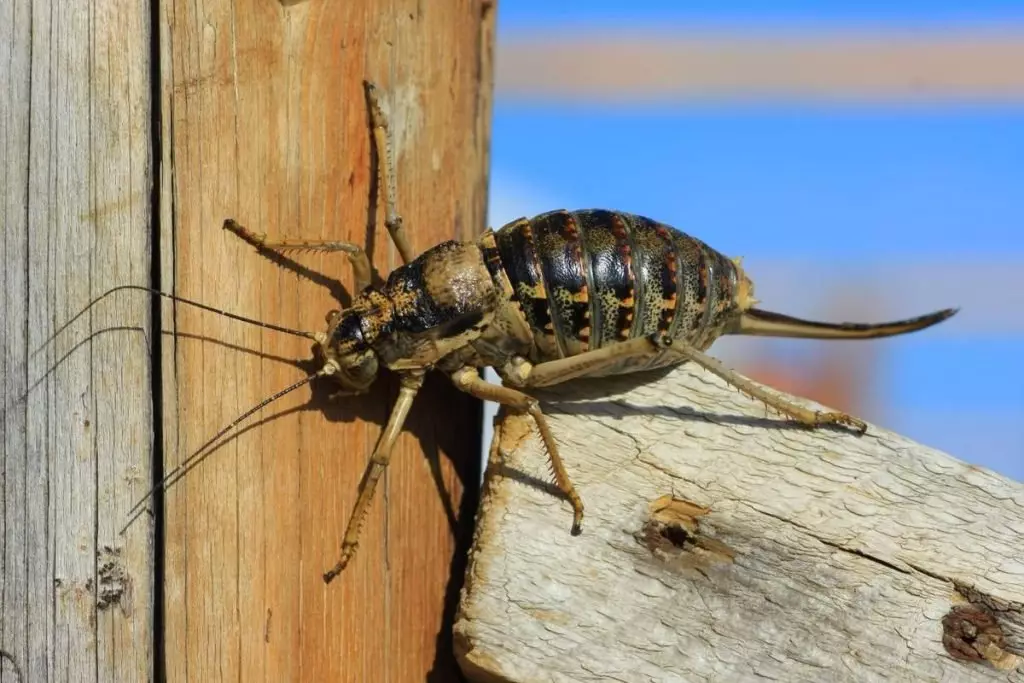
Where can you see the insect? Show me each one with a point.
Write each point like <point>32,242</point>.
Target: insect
<point>542,300</point>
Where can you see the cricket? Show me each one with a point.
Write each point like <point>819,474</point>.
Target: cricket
<point>542,300</point>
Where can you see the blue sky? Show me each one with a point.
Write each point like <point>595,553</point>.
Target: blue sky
<point>762,179</point>
<point>835,185</point>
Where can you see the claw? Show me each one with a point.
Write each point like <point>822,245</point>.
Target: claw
<point>840,418</point>
<point>347,551</point>
<point>577,523</point>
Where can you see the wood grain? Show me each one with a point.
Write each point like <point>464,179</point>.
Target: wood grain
<point>75,427</point>
<point>723,545</point>
<point>266,122</point>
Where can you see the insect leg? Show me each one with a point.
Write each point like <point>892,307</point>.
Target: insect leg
<point>523,373</point>
<point>382,132</point>
<point>468,380</point>
<point>411,383</point>
<point>564,369</point>
<point>805,416</point>
<point>356,255</point>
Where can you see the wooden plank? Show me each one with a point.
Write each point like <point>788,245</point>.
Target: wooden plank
<point>76,424</point>
<point>719,544</point>
<point>781,63</point>
<point>266,122</point>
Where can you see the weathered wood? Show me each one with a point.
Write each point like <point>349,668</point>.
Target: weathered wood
<point>720,544</point>
<point>266,122</point>
<point>75,426</point>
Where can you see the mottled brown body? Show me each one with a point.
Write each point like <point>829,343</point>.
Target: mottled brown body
<point>544,300</point>
<point>554,286</point>
<point>585,280</point>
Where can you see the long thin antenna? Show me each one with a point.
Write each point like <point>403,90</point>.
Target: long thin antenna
<point>198,455</point>
<point>173,297</point>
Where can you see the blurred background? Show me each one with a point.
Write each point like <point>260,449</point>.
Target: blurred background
<point>866,159</point>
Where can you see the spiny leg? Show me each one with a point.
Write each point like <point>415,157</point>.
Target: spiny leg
<point>356,255</point>
<point>382,133</point>
<point>411,383</point>
<point>805,416</point>
<point>553,372</point>
<point>468,380</point>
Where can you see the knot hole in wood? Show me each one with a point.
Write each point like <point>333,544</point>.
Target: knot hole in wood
<point>674,535</point>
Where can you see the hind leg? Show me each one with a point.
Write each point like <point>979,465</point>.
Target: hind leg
<point>522,373</point>
<point>805,416</point>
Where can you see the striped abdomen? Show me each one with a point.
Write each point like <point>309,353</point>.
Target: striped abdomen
<point>587,279</point>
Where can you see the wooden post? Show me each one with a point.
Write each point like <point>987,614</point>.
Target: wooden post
<point>261,117</point>
<point>722,544</point>
<point>265,121</point>
<point>76,419</point>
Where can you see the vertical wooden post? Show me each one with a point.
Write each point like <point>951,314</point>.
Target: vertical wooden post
<point>265,120</point>
<point>75,422</point>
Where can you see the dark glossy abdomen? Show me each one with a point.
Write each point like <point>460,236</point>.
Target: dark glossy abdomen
<point>589,278</point>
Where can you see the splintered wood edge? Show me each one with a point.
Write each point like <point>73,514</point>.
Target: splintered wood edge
<point>721,541</point>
